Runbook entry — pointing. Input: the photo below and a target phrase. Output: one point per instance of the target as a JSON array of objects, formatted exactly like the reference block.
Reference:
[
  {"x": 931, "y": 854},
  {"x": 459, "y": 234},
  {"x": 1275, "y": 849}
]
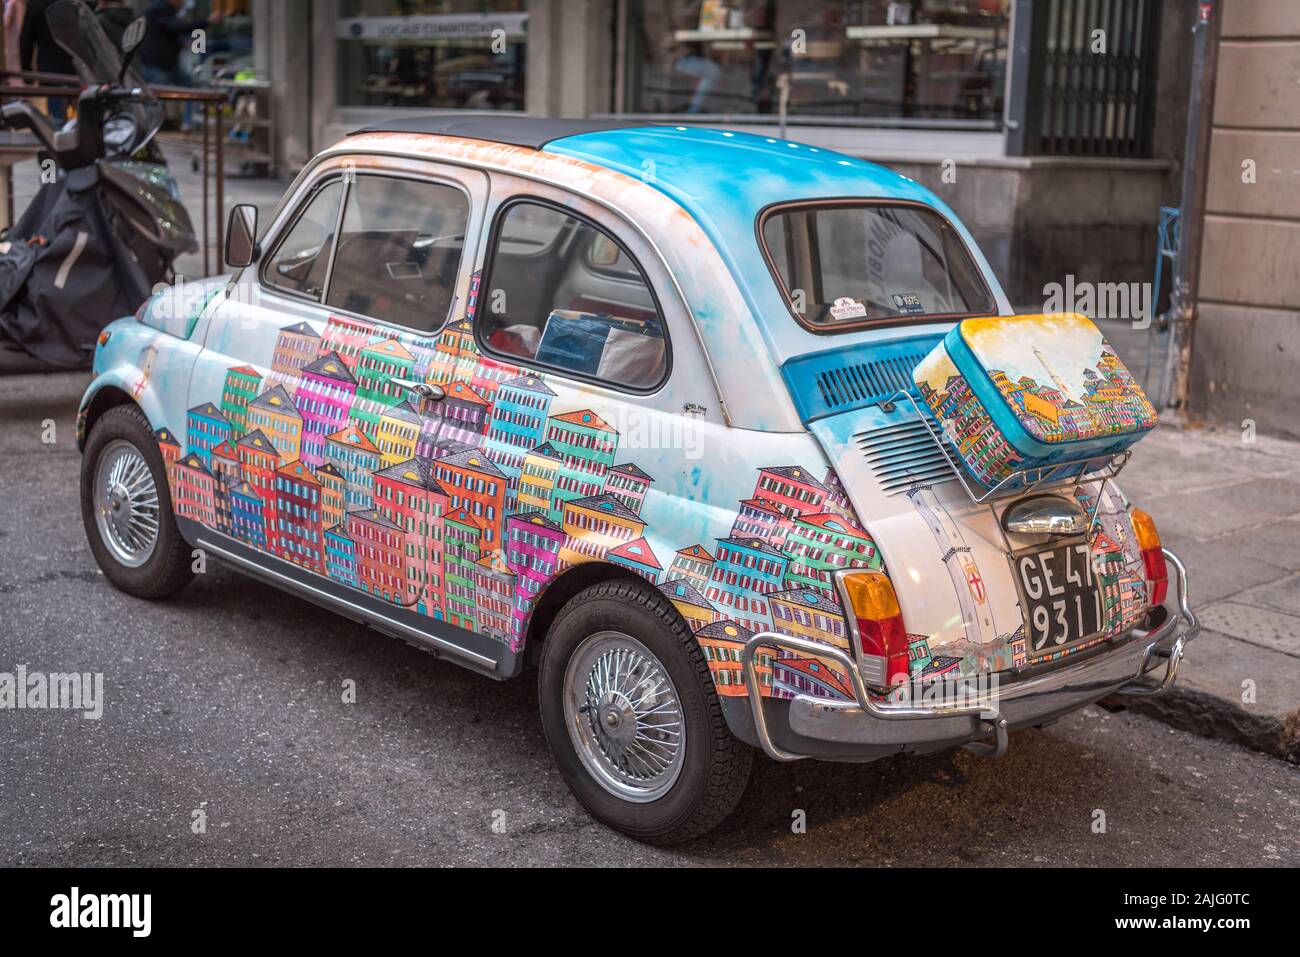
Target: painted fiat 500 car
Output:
[{"x": 735, "y": 438}]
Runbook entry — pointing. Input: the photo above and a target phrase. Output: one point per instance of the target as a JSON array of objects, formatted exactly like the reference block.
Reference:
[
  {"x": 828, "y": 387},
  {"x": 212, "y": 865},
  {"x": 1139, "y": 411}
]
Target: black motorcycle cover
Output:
[{"x": 56, "y": 297}]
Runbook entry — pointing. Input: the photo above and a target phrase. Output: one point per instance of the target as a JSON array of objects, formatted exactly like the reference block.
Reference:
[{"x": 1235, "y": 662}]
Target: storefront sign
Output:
[{"x": 449, "y": 26}]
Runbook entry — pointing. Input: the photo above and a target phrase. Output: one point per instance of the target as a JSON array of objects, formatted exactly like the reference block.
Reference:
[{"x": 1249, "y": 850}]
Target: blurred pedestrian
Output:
[
  {"x": 167, "y": 34},
  {"x": 13, "y": 20},
  {"x": 39, "y": 51},
  {"x": 114, "y": 17}
]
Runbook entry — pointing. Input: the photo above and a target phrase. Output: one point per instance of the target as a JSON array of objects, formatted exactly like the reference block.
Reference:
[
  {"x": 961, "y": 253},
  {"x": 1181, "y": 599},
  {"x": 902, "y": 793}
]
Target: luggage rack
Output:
[{"x": 1100, "y": 468}]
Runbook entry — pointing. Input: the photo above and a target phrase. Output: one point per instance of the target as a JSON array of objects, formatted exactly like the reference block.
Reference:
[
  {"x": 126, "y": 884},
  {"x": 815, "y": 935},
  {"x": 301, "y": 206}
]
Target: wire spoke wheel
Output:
[
  {"x": 126, "y": 503},
  {"x": 624, "y": 716}
]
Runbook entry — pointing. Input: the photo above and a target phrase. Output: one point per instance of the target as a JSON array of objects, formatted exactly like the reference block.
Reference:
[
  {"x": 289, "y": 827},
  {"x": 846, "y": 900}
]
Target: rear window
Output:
[{"x": 845, "y": 265}]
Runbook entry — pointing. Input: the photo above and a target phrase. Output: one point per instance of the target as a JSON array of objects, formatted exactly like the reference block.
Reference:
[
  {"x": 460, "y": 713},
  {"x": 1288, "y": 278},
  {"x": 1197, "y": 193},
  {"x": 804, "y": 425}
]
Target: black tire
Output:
[
  {"x": 168, "y": 569},
  {"x": 715, "y": 764}
]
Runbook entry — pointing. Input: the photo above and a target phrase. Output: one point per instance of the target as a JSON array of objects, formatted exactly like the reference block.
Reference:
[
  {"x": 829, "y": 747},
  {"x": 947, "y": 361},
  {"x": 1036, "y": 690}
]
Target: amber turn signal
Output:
[
  {"x": 1153, "y": 555},
  {"x": 879, "y": 622},
  {"x": 871, "y": 594}
]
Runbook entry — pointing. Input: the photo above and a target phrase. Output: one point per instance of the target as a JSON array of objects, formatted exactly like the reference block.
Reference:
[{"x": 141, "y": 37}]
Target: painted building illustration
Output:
[
  {"x": 205, "y": 428},
  {"x": 243, "y": 383},
  {"x": 274, "y": 415},
  {"x": 464, "y": 509},
  {"x": 694, "y": 564},
  {"x": 295, "y": 346},
  {"x": 323, "y": 397}
]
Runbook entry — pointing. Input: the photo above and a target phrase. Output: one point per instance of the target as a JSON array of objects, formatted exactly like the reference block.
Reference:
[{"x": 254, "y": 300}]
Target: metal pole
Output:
[
  {"x": 207, "y": 243},
  {"x": 221, "y": 189},
  {"x": 1196, "y": 155}
]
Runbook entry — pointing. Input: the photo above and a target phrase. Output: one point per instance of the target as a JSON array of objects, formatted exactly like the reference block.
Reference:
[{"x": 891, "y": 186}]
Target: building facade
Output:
[{"x": 996, "y": 104}]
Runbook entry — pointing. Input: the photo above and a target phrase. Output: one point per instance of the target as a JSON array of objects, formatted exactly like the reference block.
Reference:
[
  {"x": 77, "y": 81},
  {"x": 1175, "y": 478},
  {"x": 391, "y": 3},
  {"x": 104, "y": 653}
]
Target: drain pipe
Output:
[{"x": 1196, "y": 156}]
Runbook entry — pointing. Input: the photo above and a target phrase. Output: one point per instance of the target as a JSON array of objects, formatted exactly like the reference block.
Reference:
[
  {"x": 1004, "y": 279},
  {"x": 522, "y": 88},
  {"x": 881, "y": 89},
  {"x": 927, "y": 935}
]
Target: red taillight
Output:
[
  {"x": 886, "y": 639},
  {"x": 1153, "y": 555},
  {"x": 1153, "y": 559},
  {"x": 880, "y": 623}
]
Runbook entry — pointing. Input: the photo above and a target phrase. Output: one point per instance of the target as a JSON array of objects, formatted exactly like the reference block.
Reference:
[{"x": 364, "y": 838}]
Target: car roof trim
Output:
[{"x": 513, "y": 130}]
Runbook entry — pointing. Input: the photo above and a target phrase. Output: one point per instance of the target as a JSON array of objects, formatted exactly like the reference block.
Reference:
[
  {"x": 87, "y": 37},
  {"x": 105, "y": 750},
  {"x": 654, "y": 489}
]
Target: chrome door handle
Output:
[{"x": 424, "y": 390}]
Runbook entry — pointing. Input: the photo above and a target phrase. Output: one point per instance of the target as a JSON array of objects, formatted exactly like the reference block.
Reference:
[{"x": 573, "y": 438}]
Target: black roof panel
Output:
[{"x": 531, "y": 131}]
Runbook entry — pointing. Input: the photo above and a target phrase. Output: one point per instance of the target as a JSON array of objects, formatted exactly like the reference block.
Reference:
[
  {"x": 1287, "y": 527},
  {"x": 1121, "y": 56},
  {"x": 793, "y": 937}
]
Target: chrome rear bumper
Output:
[{"x": 870, "y": 727}]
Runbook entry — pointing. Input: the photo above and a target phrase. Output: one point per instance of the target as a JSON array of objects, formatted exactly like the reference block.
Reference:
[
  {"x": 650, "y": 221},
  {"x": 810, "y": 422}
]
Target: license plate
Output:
[{"x": 1059, "y": 594}]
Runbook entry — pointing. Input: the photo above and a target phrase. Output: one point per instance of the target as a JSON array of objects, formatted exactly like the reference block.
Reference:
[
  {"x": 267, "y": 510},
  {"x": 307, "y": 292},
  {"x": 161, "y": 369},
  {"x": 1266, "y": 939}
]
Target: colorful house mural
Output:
[
  {"x": 205, "y": 428},
  {"x": 464, "y": 509},
  {"x": 693, "y": 564},
  {"x": 323, "y": 397},
  {"x": 638, "y": 556},
  {"x": 243, "y": 383},
  {"x": 295, "y": 347},
  {"x": 248, "y": 524},
  {"x": 273, "y": 413}
]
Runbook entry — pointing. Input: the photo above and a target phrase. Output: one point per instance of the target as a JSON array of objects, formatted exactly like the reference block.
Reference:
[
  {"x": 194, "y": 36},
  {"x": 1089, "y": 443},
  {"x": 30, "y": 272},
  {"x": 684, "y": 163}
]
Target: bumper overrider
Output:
[{"x": 872, "y": 726}]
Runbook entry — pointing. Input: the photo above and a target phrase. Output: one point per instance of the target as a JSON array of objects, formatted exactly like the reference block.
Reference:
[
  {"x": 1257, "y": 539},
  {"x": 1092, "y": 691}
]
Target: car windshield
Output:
[{"x": 845, "y": 265}]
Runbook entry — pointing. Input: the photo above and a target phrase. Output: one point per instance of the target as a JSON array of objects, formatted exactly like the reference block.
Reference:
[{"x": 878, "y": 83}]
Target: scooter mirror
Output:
[
  {"x": 133, "y": 35},
  {"x": 241, "y": 236}
]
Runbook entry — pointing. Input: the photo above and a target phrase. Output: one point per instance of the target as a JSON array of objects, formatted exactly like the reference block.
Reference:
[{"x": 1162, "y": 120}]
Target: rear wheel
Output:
[
  {"x": 633, "y": 720},
  {"x": 127, "y": 510}
]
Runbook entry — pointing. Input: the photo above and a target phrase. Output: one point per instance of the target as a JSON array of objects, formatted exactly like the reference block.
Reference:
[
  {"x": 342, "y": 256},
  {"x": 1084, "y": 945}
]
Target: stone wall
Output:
[{"x": 1246, "y": 351}]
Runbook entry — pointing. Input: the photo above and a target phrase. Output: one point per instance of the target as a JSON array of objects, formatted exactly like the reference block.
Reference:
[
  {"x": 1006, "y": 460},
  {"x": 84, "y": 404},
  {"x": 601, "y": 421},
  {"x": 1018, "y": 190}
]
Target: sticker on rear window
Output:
[
  {"x": 846, "y": 308},
  {"x": 908, "y": 302}
]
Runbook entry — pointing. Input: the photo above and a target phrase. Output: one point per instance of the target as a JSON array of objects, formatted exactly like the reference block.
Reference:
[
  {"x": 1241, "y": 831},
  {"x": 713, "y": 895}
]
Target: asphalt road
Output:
[{"x": 228, "y": 699}]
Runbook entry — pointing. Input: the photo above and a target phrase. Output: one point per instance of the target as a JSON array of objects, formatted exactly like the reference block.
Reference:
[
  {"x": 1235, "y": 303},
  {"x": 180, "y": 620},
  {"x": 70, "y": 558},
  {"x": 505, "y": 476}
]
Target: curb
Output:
[{"x": 1211, "y": 716}]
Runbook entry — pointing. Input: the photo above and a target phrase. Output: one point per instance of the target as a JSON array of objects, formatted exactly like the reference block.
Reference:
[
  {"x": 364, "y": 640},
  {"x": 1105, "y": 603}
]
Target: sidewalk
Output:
[{"x": 1230, "y": 509}]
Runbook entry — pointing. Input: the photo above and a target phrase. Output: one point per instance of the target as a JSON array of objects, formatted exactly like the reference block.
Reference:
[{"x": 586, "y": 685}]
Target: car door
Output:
[
  {"x": 603, "y": 418},
  {"x": 309, "y": 397}
]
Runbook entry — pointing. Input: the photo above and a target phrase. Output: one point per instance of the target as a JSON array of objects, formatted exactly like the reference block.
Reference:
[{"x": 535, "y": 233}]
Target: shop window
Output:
[
  {"x": 441, "y": 54},
  {"x": 562, "y": 293},
  {"x": 852, "y": 59}
]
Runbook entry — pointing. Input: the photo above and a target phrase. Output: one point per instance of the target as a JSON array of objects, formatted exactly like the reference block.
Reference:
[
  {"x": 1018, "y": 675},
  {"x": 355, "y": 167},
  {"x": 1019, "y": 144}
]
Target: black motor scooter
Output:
[{"x": 107, "y": 226}]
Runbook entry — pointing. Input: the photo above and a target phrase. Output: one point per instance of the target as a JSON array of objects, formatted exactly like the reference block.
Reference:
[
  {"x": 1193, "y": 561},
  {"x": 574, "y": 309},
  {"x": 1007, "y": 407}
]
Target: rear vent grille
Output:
[
  {"x": 904, "y": 455},
  {"x": 867, "y": 382}
]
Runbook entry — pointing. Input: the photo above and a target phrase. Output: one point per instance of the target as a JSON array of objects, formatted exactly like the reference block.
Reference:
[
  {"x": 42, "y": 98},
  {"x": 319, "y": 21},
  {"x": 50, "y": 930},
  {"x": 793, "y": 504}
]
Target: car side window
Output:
[
  {"x": 563, "y": 293},
  {"x": 399, "y": 251},
  {"x": 300, "y": 262}
]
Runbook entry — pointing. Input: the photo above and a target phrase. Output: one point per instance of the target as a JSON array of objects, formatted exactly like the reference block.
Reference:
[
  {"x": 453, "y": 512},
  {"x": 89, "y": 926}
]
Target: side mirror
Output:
[
  {"x": 132, "y": 37},
  {"x": 241, "y": 236}
]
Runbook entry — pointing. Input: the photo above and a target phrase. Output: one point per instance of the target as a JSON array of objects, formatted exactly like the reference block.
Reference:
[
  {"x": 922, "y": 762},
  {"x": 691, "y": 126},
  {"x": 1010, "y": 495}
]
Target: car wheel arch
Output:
[
  {"x": 561, "y": 589},
  {"x": 107, "y": 396}
]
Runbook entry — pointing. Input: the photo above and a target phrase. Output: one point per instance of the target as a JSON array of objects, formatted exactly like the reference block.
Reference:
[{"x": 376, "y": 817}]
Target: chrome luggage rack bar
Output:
[{"x": 1023, "y": 481}]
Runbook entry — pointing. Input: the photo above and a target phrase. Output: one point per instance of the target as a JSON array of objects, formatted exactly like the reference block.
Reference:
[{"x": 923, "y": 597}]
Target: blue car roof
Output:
[
  {"x": 724, "y": 179},
  {"x": 712, "y": 172}
]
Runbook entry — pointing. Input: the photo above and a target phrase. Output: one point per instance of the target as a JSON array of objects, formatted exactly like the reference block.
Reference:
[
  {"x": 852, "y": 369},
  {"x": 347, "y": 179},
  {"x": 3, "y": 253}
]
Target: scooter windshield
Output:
[{"x": 76, "y": 29}]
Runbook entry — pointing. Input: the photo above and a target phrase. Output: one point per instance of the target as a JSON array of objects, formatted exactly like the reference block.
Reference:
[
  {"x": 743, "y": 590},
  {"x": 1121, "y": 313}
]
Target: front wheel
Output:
[
  {"x": 631, "y": 715},
  {"x": 127, "y": 510}
]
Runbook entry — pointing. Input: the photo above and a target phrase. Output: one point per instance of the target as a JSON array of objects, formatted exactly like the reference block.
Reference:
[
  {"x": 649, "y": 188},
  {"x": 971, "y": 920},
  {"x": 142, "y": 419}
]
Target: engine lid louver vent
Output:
[
  {"x": 828, "y": 383},
  {"x": 867, "y": 382},
  {"x": 903, "y": 455}
]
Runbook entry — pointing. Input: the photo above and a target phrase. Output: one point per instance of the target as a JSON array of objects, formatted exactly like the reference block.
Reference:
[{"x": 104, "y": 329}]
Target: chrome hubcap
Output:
[
  {"x": 624, "y": 717},
  {"x": 126, "y": 503}
]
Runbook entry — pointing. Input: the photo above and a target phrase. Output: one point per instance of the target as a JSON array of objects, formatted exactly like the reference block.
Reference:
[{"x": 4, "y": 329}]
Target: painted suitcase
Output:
[{"x": 1017, "y": 392}]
